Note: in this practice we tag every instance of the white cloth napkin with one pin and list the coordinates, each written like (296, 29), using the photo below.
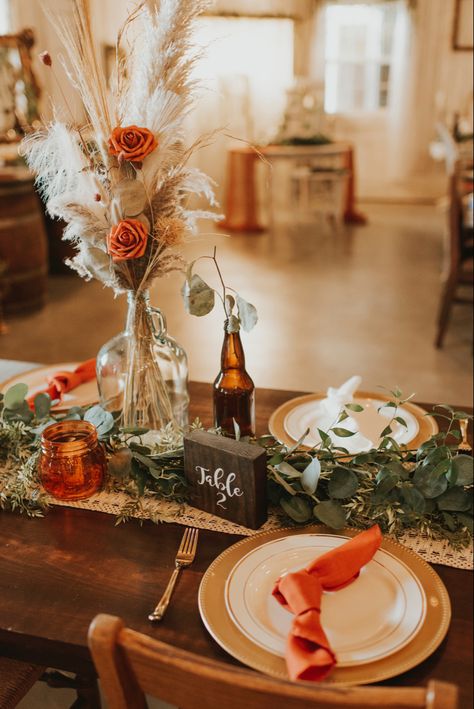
(329, 409)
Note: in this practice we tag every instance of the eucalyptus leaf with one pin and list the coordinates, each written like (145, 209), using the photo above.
(413, 499)
(144, 460)
(22, 412)
(42, 403)
(463, 466)
(38, 430)
(428, 482)
(297, 508)
(288, 470)
(330, 513)
(247, 314)
(300, 440)
(398, 469)
(137, 448)
(325, 438)
(132, 196)
(342, 432)
(354, 407)
(120, 463)
(276, 459)
(229, 304)
(386, 480)
(342, 483)
(101, 419)
(310, 476)
(15, 396)
(198, 297)
(455, 500)
(343, 416)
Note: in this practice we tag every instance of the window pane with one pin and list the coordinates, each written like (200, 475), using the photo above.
(358, 52)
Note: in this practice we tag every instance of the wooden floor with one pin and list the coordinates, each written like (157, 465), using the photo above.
(359, 300)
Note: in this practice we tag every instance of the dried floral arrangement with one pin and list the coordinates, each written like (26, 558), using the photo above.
(429, 489)
(122, 181)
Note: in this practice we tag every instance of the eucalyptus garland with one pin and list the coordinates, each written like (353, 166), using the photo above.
(428, 489)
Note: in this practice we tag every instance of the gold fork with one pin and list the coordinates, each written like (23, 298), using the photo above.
(184, 557)
(464, 445)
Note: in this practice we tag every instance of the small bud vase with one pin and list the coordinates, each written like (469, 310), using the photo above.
(142, 373)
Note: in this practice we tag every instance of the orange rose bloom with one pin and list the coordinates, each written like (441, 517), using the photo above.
(132, 143)
(127, 240)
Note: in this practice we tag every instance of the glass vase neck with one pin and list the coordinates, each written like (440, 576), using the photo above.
(141, 301)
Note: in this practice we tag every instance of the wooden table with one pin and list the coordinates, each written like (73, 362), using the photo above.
(57, 573)
(241, 190)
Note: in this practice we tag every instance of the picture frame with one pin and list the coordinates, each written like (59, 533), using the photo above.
(463, 26)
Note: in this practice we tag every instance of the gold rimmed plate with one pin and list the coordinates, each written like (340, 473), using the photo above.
(421, 637)
(37, 380)
(289, 422)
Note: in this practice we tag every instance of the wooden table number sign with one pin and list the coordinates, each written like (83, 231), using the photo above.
(226, 478)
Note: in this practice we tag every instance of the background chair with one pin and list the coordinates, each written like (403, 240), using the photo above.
(131, 665)
(459, 253)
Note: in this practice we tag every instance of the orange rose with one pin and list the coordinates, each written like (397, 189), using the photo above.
(132, 143)
(127, 240)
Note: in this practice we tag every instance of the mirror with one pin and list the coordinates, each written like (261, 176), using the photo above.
(19, 90)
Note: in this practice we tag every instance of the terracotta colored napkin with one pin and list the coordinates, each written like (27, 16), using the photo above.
(62, 382)
(308, 653)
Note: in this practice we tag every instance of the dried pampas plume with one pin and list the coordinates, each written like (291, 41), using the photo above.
(91, 189)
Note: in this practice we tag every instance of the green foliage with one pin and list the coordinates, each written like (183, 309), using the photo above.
(199, 299)
(430, 488)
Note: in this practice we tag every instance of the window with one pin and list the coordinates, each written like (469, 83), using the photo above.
(358, 56)
(4, 16)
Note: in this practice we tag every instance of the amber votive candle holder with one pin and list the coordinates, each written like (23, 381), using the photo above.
(72, 462)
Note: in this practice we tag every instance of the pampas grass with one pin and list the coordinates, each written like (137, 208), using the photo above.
(93, 190)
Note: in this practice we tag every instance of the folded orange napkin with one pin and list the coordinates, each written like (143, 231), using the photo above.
(308, 653)
(62, 382)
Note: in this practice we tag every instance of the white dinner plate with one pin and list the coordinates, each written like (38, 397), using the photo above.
(373, 617)
(368, 424)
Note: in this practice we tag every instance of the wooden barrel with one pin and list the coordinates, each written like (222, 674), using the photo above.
(23, 243)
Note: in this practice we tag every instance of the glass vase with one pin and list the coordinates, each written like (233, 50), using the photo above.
(143, 372)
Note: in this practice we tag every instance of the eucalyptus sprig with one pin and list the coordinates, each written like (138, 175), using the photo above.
(429, 489)
(199, 299)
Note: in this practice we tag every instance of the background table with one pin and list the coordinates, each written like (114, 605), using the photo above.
(241, 190)
(57, 573)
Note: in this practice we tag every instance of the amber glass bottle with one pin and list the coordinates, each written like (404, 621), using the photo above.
(234, 390)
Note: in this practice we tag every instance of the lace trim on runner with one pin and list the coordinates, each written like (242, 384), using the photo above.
(431, 550)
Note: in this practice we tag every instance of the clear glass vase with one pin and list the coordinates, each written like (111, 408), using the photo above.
(143, 372)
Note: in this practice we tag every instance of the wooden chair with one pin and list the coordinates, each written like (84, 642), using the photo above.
(460, 255)
(16, 680)
(131, 665)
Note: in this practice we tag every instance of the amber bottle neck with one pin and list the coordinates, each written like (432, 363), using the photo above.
(232, 356)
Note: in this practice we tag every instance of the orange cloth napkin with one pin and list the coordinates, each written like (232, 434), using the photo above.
(62, 382)
(308, 653)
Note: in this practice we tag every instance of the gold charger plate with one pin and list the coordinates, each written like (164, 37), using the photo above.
(276, 425)
(215, 616)
(37, 380)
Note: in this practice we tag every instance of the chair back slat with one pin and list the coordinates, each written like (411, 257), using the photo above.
(130, 665)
